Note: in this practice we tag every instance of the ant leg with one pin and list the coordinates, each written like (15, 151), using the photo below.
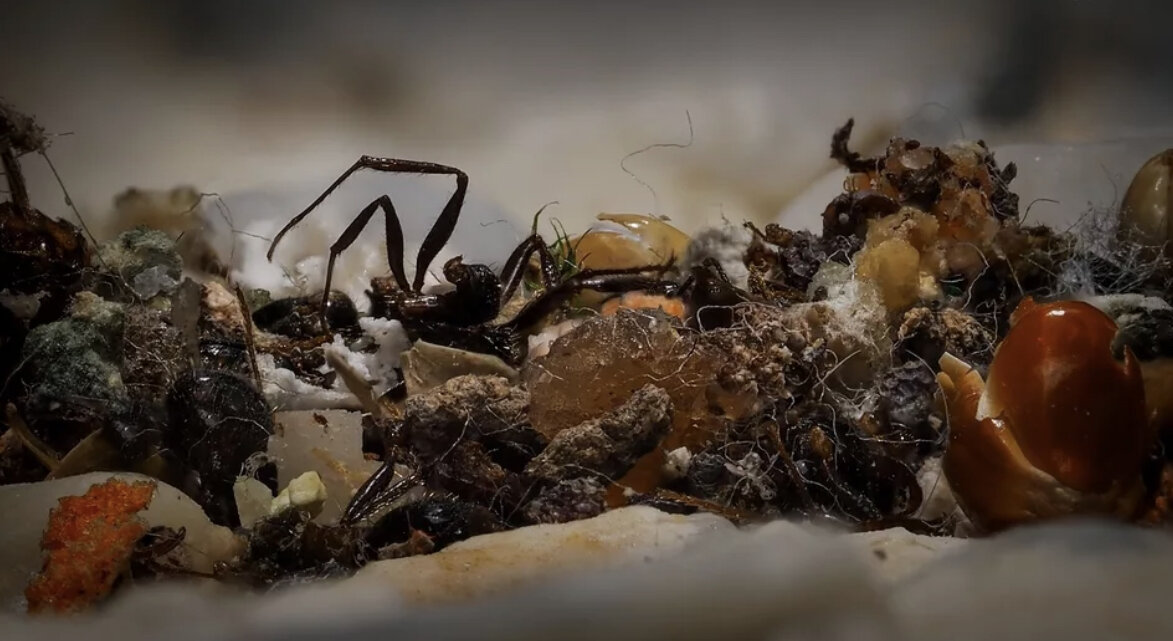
(394, 242)
(514, 269)
(515, 265)
(394, 247)
(442, 229)
(611, 281)
(549, 265)
(380, 490)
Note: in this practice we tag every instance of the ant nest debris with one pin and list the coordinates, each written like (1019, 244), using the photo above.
(745, 373)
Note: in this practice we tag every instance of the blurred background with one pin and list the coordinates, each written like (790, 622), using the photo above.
(542, 101)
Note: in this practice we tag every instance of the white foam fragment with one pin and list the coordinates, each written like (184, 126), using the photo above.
(392, 340)
(285, 391)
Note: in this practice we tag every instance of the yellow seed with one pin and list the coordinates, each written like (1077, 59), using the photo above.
(650, 241)
(656, 233)
(1145, 208)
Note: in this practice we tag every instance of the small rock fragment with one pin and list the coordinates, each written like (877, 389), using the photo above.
(72, 373)
(426, 366)
(567, 500)
(676, 463)
(253, 500)
(327, 442)
(599, 365)
(143, 261)
(473, 436)
(305, 492)
(89, 541)
(925, 334)
(907, 394)
(479, 408)
(608, 446)
(492, 563)
(78, 355)
(850, 324)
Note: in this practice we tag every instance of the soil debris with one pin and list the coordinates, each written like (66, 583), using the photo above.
(606, 447)
(751, 373)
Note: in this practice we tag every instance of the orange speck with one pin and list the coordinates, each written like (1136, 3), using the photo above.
(641, 300)
(88, 542)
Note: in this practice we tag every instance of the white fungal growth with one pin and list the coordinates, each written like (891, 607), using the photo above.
(727, 244)
(392, 340)
(1105, 261)
(286, 391)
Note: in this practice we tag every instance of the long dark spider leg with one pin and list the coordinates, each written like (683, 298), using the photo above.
(515, 266)
(351, 233)
(377, 492)
(611, 281)
(550, 266)
(441, 230)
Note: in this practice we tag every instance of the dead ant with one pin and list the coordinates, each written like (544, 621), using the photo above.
(464, 317)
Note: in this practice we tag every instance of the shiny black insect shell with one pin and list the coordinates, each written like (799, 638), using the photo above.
(216, 421)
(444, 520)
(301, 317)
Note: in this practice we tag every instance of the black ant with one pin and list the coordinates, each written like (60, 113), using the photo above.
(464, 317)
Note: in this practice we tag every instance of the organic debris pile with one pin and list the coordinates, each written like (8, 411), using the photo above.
(752, 373)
